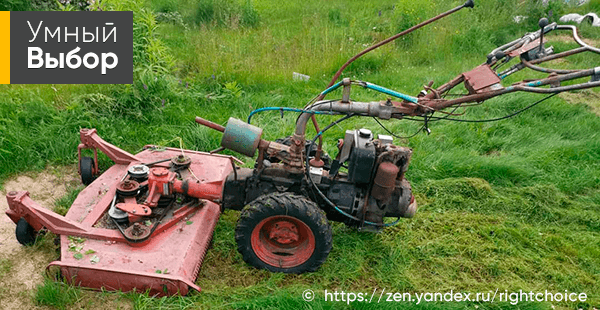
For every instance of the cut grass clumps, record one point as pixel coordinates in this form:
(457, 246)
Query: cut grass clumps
(537, 204)
(459, 189)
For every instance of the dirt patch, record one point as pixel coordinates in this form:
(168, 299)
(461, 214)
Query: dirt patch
(22, 268)
(568, 38)
(27, 264)
(586, 96)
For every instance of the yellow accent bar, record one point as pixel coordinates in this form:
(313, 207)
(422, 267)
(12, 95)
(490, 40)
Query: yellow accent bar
(4, 47)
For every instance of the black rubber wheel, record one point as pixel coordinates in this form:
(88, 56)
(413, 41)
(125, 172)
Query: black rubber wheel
(282, 232)
(25, 233)
(288, 141)
(87, 166)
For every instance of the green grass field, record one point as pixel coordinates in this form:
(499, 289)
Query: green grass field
(510, 205)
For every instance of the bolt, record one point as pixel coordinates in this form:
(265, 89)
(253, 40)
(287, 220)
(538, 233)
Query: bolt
(12, 193)
(159, 171)
(137, 230)
(127, 185)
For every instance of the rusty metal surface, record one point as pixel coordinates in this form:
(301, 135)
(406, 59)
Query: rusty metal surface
(385, 181)
(90, 139)
(137, 231)
(480, 78)
(128, 187)
(524, 49)
(209, 124)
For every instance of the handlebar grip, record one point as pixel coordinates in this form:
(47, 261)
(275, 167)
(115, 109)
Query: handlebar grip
(499, 55)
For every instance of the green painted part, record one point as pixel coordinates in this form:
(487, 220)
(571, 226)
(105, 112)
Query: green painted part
(241, 137)
(390, 92)
(332, 88)
(534, 84)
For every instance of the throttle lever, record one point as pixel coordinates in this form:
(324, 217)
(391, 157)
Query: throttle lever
(542, 23)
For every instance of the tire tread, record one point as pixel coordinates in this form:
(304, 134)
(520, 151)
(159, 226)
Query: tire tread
(279, 204)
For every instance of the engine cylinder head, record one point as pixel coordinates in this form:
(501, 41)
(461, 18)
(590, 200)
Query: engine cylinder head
(385, 181)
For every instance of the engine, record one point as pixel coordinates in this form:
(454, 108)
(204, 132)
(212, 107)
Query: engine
(363, 184)
(366, 179)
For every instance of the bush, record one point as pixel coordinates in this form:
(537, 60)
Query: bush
(164, 6)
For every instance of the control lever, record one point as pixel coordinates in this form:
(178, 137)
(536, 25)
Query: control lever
(542, 23)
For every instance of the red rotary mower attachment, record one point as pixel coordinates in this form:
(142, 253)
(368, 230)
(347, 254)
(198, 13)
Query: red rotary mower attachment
(144, 224)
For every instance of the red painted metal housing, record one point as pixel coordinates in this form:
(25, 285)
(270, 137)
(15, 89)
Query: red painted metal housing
(168, 262)
(283, 234)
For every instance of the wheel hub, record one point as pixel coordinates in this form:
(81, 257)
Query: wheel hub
(284, 232)
(137, 231)
(283, 241)
(128, 188)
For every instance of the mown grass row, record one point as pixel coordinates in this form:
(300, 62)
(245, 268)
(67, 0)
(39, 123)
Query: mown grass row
(509, 205)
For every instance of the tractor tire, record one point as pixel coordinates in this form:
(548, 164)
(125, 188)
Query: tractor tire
(282, 232)
(87, 167)
(26, 235)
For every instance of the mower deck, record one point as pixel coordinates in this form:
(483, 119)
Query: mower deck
(166, 263)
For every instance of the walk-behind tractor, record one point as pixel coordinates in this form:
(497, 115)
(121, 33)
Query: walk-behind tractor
(146, 222)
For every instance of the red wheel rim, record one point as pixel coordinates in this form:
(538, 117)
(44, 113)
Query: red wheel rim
(283, 241)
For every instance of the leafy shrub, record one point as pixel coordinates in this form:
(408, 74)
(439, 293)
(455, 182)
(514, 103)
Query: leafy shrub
(174, 18)
(164, 6)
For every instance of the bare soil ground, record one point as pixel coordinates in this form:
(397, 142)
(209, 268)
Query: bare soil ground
(563, 37)
(586, 96)
(23, 267)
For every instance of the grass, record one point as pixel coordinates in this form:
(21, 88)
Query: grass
(507, 205)
(5, 267)
(62, 205)
(56, 294)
